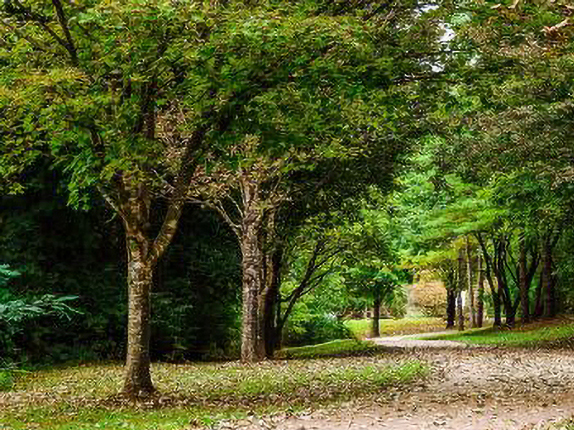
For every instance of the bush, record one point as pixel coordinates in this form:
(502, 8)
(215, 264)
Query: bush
(16, 313)
(310, 329)
(429, 298)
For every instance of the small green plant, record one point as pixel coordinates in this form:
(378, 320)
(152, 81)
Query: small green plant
(16, 311)
(6, 380)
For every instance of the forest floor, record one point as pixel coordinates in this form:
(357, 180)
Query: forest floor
(401, 383)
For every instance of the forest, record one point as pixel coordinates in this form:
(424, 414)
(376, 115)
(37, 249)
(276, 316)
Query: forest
(286, 214)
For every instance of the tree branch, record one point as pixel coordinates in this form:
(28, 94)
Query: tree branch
(189, 163)
(70, 46)
(42, 21)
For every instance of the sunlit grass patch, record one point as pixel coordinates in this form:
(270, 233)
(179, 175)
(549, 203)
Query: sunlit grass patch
(529, 336)
(361, 329)
(344, 347)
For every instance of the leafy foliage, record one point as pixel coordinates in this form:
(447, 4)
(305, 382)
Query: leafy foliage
(15, 312)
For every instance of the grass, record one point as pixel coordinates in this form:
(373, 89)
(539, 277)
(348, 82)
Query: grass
(336, 348)
(6, 380)
(567, 424)
(82, 397)
(361, 329)
(556, 333)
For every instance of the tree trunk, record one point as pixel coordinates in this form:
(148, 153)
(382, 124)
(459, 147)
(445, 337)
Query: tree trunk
(548, 286)
(523, 283)
(494, 290)
(472, 317)
(459, 304)
(480, 302)
(137, 380)
(375, 332)
(450, 307)
(253, 283)
(460, 310)
(501, 280)
(538, 304)
(272, 302)
(252, 348)
(136, 211)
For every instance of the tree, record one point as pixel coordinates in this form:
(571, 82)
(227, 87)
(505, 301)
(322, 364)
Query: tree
(117, 98)
(315, 108)
(378, 286)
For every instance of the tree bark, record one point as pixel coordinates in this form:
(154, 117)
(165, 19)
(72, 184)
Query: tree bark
(500, 255)
(136, 211)
(494, 290)
(523, 283)
(472, 317)
(252, 341)
(450, 307)
(548, 282)
(251, 338)
(480, 301)
(137, 379)
(459, 304)
(538, 303)
(272, 302)
(375, 331)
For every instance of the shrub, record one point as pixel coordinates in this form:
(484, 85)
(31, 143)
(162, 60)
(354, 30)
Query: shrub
(310, 329)
(15, 312)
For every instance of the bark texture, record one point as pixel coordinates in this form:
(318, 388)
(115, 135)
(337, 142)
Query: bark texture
(494, 289)
(136, 209)
(450, 307)
(548, 281)
(461, 282)
(252, 341)
(471, 298)
(137, 382)
(375, 330)
(523, 282)
(480, 298)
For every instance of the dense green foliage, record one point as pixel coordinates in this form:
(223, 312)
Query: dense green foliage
(294, 162)
(196, 306)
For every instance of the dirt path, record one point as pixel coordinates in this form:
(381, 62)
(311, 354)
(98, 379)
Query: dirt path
(415, 341)
(470, 389)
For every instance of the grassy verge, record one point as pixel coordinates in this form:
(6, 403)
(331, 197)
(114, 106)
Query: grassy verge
(559, 333)
(81, 397)
(361, 329)
(336, 348)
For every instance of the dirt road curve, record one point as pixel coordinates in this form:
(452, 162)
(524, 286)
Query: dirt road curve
(469, 389)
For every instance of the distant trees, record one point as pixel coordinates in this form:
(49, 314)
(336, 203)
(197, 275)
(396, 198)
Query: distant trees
(378, 286)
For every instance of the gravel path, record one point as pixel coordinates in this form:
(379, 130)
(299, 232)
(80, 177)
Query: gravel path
(470, 389)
